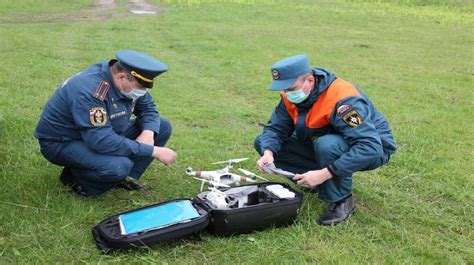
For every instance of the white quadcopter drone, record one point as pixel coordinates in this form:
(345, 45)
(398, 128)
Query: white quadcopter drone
(222, 177)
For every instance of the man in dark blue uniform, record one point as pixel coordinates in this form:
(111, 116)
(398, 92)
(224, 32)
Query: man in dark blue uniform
(86, 127)
(324, 129)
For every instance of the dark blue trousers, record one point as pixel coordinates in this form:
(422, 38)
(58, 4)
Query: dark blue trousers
(299, 156)
(95, 172)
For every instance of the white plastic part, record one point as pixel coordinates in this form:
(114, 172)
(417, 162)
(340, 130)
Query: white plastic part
(217, 199)
(274, 187)
(281, 192)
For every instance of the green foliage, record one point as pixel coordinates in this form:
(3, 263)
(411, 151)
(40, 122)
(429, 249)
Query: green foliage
(462, 4)
(414, 61)
(1, 125)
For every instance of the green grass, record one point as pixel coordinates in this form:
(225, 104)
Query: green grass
(413, 58)
(23, 7)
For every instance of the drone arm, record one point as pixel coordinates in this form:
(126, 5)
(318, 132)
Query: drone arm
(248, 179)
(237, 178)
(209, 175)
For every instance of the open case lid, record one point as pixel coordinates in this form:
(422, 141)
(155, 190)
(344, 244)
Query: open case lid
(151, 224)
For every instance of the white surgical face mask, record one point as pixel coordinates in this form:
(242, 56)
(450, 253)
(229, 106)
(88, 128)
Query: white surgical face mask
(135, 93)
(297, 96)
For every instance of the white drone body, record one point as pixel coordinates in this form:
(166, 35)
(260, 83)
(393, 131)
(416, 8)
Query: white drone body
(222, 177)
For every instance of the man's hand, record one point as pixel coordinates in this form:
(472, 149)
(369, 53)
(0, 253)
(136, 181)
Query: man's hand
(146, 137)
(165, 155)
(312, 178)
(267, 158)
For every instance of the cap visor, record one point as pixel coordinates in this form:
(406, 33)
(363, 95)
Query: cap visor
(282, 84)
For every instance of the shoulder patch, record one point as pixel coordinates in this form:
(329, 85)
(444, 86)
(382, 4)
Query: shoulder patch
(101, 90)
(342, 109)
(352, 118)
(98, 116)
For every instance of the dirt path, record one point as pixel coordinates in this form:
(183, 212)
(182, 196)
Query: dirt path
(102, 10)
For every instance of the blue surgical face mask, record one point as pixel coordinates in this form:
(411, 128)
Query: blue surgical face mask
(135, 93)
(297, 96)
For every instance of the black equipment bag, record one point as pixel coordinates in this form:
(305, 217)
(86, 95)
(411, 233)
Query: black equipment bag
(249, 208)
(108, 237)
(261, 210)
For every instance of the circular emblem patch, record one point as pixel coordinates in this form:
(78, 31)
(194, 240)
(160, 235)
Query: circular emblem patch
(98, 116)
(275, 74)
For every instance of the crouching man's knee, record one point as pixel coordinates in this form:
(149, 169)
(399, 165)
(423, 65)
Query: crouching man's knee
(329, 148)
(165, 132)
(117, 170)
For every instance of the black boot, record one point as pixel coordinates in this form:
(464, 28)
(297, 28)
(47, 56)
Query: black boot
(129, 185)
(338, 211)
(68, 180)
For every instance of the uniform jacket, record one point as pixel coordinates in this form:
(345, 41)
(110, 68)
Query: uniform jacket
(333, 107)
(87, 107)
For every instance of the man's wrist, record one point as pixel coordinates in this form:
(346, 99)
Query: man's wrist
(156, 152)
(327, 173)
(148, 132)
(268, 152)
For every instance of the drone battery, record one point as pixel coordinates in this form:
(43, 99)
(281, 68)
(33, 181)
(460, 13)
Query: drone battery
(261, 209)
(152, 224)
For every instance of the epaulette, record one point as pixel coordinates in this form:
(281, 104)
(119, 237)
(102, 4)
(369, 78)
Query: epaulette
(101, 90)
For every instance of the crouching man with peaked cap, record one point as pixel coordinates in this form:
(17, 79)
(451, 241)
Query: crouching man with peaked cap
(86, 127)
(324, 129)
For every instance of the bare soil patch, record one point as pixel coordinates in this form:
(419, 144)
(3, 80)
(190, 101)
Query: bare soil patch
(101, 10)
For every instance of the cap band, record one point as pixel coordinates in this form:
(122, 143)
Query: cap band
(135, 74)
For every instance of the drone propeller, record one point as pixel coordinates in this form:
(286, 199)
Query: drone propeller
(231, 161)
(251, 174)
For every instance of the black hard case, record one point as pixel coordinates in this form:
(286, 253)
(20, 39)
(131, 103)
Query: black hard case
(264, 210)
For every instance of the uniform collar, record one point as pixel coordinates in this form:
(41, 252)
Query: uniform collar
(323, 80)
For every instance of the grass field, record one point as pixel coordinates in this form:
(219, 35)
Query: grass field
(415, 59)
